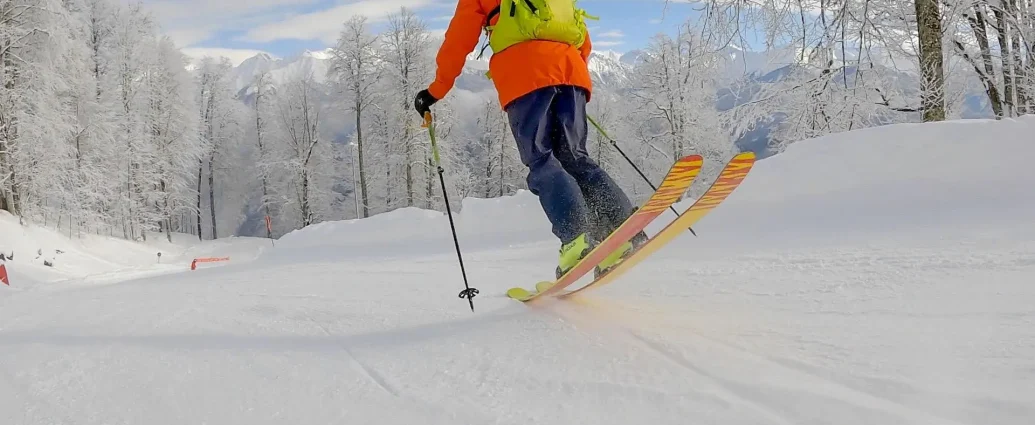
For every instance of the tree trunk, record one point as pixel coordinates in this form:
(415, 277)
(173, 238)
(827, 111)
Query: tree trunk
(359, 152)
(409, 169)
(928, 22)
(14, 203)
(262, 149)
(503, 165)
(212, 194)
(1017, 59)
(1004, 45)
(165, 222)
(431, 186)
(978, 25)
(407, 143)
(201, 169)
(306, 216)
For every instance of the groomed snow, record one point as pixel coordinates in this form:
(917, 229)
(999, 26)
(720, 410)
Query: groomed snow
(882, 276)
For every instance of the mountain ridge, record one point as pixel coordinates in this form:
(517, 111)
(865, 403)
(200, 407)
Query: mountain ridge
(607, 68)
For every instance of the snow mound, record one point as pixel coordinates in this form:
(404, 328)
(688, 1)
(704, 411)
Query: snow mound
(900, 178)
(480, 224)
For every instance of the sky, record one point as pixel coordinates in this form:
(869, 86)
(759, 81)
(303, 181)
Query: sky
(239, 29)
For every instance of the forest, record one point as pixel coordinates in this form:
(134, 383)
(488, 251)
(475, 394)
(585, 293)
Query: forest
(107, 127)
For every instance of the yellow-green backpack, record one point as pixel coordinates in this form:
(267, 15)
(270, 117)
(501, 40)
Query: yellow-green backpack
(522, 20)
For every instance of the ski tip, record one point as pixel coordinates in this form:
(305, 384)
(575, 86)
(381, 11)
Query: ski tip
(745, 156)
(520, 294)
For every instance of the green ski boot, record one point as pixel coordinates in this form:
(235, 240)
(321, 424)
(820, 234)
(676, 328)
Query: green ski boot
(620, 254)
(572, 252)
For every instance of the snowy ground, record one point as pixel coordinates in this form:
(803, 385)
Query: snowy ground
(884, 276)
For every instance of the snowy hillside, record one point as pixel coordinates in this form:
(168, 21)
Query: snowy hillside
(881, 276)
(92, 259)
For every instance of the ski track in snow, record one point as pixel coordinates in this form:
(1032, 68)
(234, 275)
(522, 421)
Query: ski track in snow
(816, 294)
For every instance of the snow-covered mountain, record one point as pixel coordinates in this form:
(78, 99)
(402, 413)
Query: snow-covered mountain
(281, 70)
(607, 68)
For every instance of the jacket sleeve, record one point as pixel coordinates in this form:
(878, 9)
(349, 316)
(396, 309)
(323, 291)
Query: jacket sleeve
(586, 48)
(461, 38)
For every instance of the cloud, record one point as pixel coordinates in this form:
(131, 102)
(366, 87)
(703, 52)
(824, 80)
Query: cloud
(609, 38)
(325, 24)
(189, 36)
(439, 33)
(236, 56)
(189, 22)
(177, 10)
(610, 34)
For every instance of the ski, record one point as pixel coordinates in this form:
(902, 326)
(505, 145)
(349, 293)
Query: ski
(729, 179)
(678, 179)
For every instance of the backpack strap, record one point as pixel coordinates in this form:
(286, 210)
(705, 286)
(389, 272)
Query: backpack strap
(488, 28)
(492, 14)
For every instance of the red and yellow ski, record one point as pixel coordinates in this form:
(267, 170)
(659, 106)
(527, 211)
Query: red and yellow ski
(729, 179)
(678, 179)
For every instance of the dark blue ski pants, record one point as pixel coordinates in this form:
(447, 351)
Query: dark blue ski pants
(578, 196)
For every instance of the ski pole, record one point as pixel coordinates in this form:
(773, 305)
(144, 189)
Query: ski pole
(615, 144)
(468, 292)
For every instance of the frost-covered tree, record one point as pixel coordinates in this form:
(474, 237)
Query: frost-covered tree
(94, 118)
(407, 59)
(996, 39)
(494, 153)
(355, 70)
(309, 166)
(23, 44)
(176, 147)
(674, 93)
(262, 112)
(221, 120)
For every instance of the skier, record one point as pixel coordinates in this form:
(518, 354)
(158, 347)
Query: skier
(543, 85)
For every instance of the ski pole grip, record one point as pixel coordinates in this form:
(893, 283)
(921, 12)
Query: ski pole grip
(427, 120)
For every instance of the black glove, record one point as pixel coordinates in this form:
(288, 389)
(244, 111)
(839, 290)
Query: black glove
(422, 103)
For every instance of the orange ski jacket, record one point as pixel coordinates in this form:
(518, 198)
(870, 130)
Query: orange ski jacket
(517, 70)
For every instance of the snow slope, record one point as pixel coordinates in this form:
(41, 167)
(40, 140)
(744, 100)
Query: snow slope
(882, 276)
